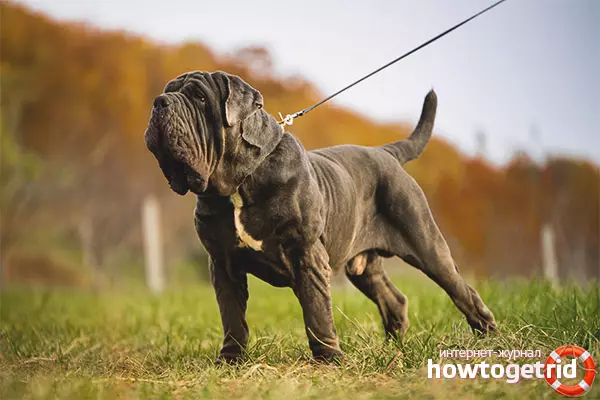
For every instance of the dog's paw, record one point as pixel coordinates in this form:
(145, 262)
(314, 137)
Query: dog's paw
(328, 356)
(229, 359)
(484, 324)
(480, 318)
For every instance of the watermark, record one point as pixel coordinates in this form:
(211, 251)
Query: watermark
(552, 370)
(512, 373)
(509, 354)
(589, 366)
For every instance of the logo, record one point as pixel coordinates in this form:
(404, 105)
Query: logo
(554, 360)
(556, 368)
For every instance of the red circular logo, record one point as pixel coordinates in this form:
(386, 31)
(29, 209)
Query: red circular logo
(589, 366)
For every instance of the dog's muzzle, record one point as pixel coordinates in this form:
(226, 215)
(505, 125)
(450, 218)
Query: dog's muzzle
(181, 173)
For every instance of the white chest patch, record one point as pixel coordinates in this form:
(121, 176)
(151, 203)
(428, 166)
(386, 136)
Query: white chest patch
(245, 239)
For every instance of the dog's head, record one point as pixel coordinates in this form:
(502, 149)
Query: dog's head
(208, 132)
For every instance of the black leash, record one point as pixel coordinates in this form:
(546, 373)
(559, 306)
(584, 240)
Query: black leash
(289, 119)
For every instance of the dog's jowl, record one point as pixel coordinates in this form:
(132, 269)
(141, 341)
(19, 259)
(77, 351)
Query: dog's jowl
(291, 217)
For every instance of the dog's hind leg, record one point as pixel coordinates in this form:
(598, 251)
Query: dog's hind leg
(440, 267)
(419, 242)
(366, 272)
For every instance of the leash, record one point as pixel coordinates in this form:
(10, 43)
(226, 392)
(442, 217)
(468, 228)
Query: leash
(289, 118)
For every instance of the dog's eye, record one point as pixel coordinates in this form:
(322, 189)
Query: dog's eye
(199, 94)
(259, 106)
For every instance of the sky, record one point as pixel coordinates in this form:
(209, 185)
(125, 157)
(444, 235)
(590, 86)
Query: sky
(522, 74)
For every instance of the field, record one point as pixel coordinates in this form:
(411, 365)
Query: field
(74, 344)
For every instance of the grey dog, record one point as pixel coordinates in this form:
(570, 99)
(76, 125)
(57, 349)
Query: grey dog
(291, 217)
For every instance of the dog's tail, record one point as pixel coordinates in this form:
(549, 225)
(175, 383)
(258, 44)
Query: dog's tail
(412, 147)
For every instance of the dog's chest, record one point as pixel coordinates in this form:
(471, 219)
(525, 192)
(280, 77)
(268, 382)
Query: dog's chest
(245, 239)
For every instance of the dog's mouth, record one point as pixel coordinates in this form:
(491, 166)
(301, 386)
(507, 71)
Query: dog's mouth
(182, 174)
(181, 177)
(196, 182)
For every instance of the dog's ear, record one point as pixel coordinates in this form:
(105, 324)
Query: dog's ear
(261, 130)
(242, 100)
(241, 105)
(258, 130)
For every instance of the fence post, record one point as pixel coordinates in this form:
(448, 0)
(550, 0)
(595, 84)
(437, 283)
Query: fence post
(152, 244)
(549, 263)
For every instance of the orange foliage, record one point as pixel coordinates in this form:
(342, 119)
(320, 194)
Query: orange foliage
(68, 89)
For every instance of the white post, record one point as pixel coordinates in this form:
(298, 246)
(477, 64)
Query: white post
(549, 262)
(152, 244)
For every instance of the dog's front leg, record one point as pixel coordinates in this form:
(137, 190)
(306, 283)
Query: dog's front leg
(231, 288)
(312, 287)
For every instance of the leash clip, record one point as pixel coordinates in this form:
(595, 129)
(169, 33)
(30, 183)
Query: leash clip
(288, 120)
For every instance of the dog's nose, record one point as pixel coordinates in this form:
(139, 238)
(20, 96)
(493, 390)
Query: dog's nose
(161, 101)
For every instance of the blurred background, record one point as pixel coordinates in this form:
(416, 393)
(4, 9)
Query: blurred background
(511, 173)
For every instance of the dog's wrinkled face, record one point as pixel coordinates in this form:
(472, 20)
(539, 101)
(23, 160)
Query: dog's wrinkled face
(206, 132)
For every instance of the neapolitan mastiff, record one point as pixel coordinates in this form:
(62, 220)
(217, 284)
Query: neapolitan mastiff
(291, 217)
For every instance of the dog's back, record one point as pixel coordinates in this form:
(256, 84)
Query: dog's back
(349, 165)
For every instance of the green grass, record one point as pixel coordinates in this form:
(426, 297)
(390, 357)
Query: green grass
(70, 344)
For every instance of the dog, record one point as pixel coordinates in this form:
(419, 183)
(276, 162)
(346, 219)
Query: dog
(291, 217)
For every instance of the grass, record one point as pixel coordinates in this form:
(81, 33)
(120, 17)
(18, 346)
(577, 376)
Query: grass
(70, 344)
